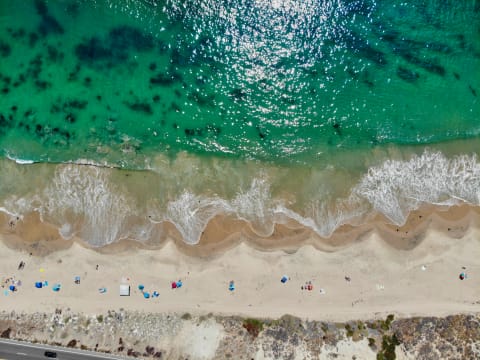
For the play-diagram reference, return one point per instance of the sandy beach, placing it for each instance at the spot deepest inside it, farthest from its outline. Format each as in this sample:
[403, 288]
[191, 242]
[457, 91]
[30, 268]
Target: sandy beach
[413, 270]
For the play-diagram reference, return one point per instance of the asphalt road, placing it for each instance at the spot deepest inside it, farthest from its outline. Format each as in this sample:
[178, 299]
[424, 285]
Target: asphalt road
[13, 350]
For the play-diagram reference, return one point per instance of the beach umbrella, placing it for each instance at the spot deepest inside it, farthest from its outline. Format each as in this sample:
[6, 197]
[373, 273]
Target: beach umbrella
[463, 276]
[38, 285]
[141, 287]
[146, 295]
[12, 287]
[231, 286]
[102, 290]
[77, 279]
[155, 294]
[179, 283]
[56, 287]
[284, 279]
[174, 285]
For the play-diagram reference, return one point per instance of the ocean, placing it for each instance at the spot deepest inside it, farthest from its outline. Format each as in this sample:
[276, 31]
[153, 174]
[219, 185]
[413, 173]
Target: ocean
[117, 117]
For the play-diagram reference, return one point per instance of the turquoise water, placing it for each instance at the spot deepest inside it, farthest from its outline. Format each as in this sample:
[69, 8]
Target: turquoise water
[268, 80]
[214, 95]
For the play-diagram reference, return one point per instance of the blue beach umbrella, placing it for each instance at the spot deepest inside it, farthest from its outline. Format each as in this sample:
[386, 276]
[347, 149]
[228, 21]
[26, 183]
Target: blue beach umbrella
[56, 287]
[38, 285]
[12, 287]
[284, 279]
[146, 295]
[231, 286]
[179, 284]
[141, 287]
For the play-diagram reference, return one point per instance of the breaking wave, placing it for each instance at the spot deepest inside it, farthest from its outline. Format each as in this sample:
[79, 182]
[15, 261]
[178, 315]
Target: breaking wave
[393, 189]
[89, 201]
[397, 187]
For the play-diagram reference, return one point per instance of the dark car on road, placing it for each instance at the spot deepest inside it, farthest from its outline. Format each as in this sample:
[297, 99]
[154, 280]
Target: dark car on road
[50, 354]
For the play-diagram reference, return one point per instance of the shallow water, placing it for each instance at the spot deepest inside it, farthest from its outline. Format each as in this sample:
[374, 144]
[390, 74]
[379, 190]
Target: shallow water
[263, 110]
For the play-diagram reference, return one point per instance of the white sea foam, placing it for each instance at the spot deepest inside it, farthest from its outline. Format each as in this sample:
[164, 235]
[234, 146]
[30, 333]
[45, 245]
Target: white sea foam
[85, 194]
[256, 206]
[8, 212]
[86, 201]
[19, 161]
[191, 213]
[25, 162]
[324, 218]
[394, 189]
[397, 187]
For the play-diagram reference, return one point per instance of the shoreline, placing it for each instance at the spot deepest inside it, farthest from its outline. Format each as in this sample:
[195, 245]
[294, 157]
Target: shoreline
[223, 233]
[385, 267]
[266, 207]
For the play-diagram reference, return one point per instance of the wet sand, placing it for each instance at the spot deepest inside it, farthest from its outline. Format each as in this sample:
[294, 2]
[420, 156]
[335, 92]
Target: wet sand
[409, 270]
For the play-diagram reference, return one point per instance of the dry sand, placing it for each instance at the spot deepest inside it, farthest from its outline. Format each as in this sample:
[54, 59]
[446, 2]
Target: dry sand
[413, 270]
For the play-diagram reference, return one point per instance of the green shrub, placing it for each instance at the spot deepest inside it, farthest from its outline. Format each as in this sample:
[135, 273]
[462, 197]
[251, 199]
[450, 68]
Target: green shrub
[186, 316]
[388, 348]
[349, 330]
[253, 326]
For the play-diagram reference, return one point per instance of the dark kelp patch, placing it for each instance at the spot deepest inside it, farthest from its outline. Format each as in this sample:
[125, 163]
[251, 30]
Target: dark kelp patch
[41, 7]
[127, 37]
[115, 48]
[472, 90]
[48, 24]
[361, 47]
[142, 107]
[165, 79]
[54, 55]
[5, 49]
[202, 99]
[407, 75]
[430, 65]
